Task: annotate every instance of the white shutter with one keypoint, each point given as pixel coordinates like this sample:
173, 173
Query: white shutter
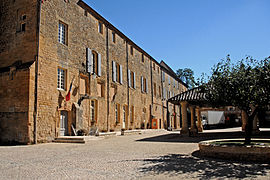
129, 80
134, 85
99, 65
121, 78
113, 71
163, 76
89, 61
164, 93
142, 83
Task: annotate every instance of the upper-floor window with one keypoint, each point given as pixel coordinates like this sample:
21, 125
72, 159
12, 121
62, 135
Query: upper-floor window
113, 37
131, 50
154, 66
144, 85
163, 76
93, 62
131, 79
169, 80
61, 78
62, 33
155, 89
117, 72
142, 58
100, 27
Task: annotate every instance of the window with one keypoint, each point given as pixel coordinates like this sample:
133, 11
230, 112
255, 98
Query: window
62, 33
85, 13
173, 82
117, 113
23, 27
154, 66
113, 37
144, 85
159, 91
100, 27
61, 80
142, 58
155, 89
169, 80
93, 62
158, 70
163, 76
117, 72
131, 79
131, 50
93, 110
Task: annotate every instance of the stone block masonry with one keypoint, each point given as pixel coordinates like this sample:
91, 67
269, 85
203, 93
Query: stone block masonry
115, 85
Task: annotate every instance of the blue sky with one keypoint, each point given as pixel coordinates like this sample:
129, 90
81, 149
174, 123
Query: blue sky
192, 33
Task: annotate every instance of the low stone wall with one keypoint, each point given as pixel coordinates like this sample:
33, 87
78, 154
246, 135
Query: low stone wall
241, 153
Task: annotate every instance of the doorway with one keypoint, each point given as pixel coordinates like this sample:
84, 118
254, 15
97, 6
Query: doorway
64, 123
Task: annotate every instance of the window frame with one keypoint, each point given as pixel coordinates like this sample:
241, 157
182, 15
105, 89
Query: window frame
63, 36
100, 27
64, 75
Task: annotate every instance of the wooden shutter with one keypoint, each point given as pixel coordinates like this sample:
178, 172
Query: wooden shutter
99, 65
113, 71
121, 73
89, 61
129, 79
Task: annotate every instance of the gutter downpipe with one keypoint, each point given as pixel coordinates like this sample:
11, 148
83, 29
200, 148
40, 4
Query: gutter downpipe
36, 70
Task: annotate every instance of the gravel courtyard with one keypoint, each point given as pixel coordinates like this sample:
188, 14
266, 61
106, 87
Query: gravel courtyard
154, 154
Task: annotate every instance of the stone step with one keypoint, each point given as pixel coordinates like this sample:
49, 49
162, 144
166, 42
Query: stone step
69, 140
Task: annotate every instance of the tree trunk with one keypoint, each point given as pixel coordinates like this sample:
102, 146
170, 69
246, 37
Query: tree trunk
248, 130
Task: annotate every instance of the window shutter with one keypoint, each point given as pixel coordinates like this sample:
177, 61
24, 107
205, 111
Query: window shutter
163, 76
134, 82
121, 78
146, 88
89, 61
164, 93
99, 65
169, 80
142, 83
129, 80
114, 71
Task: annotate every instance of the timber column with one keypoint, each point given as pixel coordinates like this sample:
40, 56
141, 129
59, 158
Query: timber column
184, 130
193, 128
199, 119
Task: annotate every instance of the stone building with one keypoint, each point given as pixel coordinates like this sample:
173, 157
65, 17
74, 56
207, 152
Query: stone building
64, 66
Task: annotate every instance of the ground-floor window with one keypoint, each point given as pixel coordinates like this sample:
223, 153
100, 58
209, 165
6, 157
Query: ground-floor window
93, 110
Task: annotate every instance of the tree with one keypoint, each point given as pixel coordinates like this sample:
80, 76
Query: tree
245, 85
186, 75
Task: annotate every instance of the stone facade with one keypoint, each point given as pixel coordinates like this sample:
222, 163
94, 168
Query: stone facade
115, 84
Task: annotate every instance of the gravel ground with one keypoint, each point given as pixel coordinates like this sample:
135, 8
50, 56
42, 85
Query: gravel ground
151, 155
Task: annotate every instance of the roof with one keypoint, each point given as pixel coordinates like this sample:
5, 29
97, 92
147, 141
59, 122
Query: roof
193, 96
85, 6
169, 71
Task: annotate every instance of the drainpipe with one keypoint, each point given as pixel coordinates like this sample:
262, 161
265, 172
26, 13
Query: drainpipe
36, 70
127, 88
108, 78
152, 97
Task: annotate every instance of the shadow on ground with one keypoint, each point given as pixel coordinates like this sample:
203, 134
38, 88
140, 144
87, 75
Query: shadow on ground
176, 137
201, 168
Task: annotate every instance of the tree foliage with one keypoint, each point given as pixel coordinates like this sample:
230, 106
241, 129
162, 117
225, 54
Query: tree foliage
187, 76
245, 85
